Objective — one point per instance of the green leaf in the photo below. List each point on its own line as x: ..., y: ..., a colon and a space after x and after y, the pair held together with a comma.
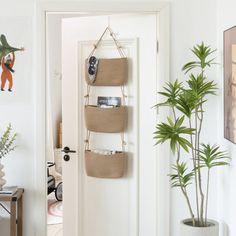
x: 7, y: 142
x: 202, y: 52
x: 211, y: 156
x: 200, y: 86
x: 181, y: 177
x: 170, y: 93
x: 173, y: 131
x: 188, y: 102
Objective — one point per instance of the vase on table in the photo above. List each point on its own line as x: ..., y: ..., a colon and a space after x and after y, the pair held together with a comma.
x: 2, y: 174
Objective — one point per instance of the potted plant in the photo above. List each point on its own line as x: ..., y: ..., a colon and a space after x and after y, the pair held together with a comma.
x: 183, y: 130
x: 6, y: 146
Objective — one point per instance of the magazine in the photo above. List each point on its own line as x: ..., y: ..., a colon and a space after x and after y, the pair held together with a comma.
x: 109, y: 101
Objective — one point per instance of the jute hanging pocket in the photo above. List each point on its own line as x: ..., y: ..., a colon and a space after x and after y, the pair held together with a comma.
x: 106, y: 120
x: 110, y: 72
x: 106, y: 71
x: 105, y: 166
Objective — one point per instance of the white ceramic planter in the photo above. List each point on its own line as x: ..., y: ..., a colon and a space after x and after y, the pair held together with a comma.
x: 188, y: 230
x: 2, y: 173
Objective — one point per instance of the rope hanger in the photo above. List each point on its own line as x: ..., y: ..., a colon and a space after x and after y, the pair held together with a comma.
x: 87, y: 141
x: 119, y: 47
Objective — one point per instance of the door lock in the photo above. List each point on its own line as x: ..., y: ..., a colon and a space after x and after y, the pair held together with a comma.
x: 66, y: 157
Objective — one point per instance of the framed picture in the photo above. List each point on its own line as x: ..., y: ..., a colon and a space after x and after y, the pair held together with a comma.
x: 230, y: 84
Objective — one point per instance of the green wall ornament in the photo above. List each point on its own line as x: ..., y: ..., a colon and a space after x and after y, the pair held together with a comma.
x: 5, y: 48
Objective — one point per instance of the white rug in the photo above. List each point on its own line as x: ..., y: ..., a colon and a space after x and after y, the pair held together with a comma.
x: 55, y: 230
x: 55, y: 212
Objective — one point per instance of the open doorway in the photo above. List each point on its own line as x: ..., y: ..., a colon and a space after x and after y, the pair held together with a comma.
x: 55, y: 121
x: 113, y: 207
x: 54, y: 127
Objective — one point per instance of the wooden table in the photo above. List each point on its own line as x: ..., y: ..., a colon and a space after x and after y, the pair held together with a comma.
x: 16, y: 210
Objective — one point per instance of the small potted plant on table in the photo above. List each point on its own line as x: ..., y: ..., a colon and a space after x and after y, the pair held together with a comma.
x: 183, y: 130
x: 6, y: 146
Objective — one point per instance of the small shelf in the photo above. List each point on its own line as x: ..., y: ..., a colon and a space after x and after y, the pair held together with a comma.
x: 105, y: 166
x: 106, y: 120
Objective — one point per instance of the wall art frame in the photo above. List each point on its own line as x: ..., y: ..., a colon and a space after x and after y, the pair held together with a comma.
x: 230, y: 84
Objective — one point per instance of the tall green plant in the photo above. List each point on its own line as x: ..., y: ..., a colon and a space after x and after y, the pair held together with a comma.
x: 183, y: 130
x: 7, y: 142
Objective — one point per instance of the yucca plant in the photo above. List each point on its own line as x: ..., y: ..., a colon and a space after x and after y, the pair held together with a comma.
x: 183, y: 129
x: 7, y: 142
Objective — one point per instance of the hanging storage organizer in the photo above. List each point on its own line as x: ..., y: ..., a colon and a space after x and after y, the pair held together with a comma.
x: 106, y: 120
x: 110, y: 72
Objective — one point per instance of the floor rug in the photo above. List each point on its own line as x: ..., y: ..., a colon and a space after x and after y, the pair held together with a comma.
x: 55, y: 212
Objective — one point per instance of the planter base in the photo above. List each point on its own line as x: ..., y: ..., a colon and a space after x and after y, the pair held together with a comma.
x: 186, y: 229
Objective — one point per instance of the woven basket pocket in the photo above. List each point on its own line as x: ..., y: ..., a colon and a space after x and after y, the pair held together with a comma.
x: 110, y: 72
x: 105, y: 166
x: 106, y: 120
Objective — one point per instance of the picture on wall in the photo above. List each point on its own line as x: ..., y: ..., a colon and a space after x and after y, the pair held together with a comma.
x: 230, y: 84
x: 7, y: 62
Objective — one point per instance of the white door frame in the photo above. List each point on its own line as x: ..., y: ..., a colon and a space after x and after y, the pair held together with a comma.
x: 163, y: 162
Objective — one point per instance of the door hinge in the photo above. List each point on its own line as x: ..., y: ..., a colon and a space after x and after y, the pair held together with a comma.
x: 157, y: 46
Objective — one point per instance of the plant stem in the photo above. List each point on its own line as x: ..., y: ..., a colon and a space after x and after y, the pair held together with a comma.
x: 195, y: 171
x: 174, y: 114
x: 184, y: 191
x: 199, y: 169
x: 208, y: 182
x: 189, y: 205
x: 197, y: 160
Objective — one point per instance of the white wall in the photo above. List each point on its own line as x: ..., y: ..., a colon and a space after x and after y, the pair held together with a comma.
x: 193, y: 22
x: 227, y: 193
x: 16, y: 22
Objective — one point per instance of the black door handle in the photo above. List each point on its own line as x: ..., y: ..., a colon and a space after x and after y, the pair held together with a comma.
x: 67, y: 150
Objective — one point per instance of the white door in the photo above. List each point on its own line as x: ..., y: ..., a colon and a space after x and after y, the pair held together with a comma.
x: 110, y: 207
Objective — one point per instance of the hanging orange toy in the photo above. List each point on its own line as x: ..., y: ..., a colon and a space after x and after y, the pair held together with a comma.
x: 7, y: 70
x: 7, y: 56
